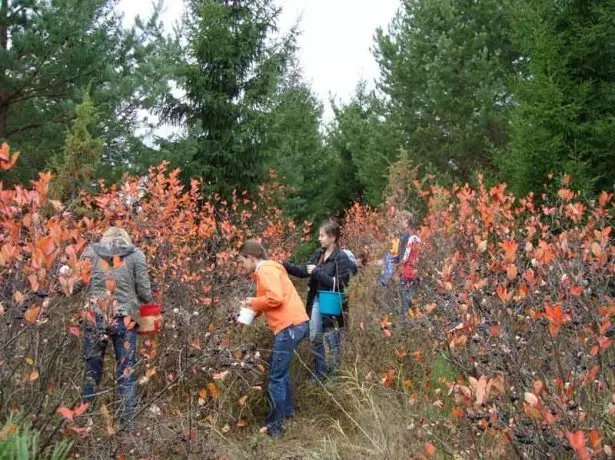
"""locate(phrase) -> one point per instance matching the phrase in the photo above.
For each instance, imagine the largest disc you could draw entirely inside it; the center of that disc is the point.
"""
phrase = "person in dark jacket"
(328, 269)
(119, 284)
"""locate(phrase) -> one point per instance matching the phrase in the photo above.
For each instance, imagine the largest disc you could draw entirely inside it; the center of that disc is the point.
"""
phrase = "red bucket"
(150, 321)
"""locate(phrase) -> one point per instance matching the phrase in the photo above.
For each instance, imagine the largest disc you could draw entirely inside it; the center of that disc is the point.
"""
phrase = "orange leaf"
(555, 315)
(596, 249)
(33, 375)
(32, 314)
(213, 390)
(104, 264)
(577, 442)
(503, 294)
(576, 290)
(81, 408)
(510, 250)
(430, 449)
(117, 262)
(110, 283)
(594, 439)
(7, 431)
(66, 413)
(128, 323)
(511, 272)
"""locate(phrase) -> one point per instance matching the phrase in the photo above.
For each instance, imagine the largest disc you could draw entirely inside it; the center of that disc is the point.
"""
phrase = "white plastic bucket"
(246, 316)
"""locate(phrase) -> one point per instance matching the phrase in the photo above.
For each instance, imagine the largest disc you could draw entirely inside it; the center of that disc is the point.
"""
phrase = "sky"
(334, 45)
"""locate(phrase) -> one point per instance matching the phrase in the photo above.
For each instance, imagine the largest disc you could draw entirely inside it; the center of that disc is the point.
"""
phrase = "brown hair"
(253, 248)
(332, 228)
(407, 218)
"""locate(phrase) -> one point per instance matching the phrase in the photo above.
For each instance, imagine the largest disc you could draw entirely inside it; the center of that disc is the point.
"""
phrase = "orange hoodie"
(277, 297)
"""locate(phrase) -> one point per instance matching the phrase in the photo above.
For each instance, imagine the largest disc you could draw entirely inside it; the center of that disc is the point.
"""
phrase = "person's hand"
(310, 269)
(247, 302)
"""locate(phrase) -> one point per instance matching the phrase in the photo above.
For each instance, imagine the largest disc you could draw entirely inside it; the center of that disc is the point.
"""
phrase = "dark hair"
(331, 228)
(253, 248)
(363, 256)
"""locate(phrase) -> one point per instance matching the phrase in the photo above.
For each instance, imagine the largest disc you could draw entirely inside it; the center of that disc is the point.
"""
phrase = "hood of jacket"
(117, 248)
(268, 264)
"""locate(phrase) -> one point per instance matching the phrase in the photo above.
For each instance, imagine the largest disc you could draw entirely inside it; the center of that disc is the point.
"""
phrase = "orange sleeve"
(274, 293)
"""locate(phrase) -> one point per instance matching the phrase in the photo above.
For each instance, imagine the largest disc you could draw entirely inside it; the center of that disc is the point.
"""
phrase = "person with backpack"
(328, 269)
(277, 299)
(119, 284)
(401, 261)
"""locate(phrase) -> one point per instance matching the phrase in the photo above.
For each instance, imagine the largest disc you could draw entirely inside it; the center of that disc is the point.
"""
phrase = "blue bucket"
(330, 303)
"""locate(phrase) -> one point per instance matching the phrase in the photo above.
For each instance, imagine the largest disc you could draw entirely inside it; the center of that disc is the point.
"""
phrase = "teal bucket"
(330, 303)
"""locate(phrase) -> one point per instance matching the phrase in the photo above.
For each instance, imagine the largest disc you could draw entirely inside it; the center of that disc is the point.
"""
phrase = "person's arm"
(274, 295)
(301, 270)
(142, 283)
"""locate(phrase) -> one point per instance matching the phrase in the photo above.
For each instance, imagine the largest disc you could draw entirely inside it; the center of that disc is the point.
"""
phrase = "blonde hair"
(113, 234)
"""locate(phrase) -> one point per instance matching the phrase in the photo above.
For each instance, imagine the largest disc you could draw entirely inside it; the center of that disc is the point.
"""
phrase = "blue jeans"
(96, 337)
(280, 392)
(318, 332)
(406, 293)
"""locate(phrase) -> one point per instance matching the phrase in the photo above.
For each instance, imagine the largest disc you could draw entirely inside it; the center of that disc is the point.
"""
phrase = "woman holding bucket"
(329, 271)
(276, 298)
(119, 284)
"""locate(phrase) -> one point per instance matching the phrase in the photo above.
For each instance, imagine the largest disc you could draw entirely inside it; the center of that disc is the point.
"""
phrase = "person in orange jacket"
(277, 299)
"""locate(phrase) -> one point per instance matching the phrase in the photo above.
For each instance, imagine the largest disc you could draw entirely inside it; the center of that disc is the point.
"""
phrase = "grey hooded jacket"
(132, 284)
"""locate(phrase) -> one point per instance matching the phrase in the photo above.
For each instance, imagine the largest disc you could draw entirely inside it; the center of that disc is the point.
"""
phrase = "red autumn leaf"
(604, 342)
(577, 442)
(576, 290)
(555, 315)
(110, 284)
(503, 294)
(81, 408)
(7, 161)
(430, 449)
(241, 423)
(594, 439)
(66, 413)
(387, 378)
(117, 262)
(129, 323)
(510, 251)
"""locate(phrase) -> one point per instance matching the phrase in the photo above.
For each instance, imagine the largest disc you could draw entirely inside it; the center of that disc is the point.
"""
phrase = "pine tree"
(81, 155)
(563, 121)
(230, 72)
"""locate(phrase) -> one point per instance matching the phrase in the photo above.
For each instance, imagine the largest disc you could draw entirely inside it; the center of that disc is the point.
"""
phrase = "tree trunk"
(4, 42)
